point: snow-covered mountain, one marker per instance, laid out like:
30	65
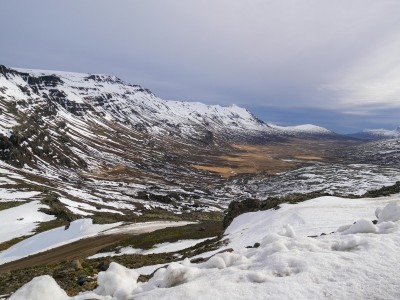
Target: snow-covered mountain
308	129
376	134
86	120
90	97
93	97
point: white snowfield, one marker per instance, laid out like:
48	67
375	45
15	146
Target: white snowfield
21	220
305	128
360	260
79	229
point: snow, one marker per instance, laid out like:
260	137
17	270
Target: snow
305	128
78	229
117	281
390	212
158	248
75	207
16	195
138	228
133	104
383	133
6	132
40	288
357	263
21	220
308	218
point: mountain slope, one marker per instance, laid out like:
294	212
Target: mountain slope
80	121
97	140
108	97
94	96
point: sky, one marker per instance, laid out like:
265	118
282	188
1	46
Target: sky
331	63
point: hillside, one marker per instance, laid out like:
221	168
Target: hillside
95	169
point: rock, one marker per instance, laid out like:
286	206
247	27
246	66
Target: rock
256	245
77	264
81	280
201	259
225	250
103	266
197	260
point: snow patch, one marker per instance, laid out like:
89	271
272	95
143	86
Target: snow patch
78	229
21	220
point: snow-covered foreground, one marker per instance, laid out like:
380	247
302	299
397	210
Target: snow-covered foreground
360	260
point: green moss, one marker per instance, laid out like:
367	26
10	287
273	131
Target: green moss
56	208
192	231
10	204
44	226
8	244
384	191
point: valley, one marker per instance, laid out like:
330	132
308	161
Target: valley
85	154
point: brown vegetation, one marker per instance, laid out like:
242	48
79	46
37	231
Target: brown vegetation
270	159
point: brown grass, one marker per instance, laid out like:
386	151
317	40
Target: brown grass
271	159
309	157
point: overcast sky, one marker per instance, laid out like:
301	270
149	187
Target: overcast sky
331	63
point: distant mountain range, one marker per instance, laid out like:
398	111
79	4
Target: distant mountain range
376	134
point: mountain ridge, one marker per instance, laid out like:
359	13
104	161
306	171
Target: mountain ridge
80	91
376	134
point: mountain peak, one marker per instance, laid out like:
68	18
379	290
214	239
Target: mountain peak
103	97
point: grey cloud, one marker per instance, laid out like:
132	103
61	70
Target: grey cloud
282	53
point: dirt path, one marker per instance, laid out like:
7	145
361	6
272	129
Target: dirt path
86	247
